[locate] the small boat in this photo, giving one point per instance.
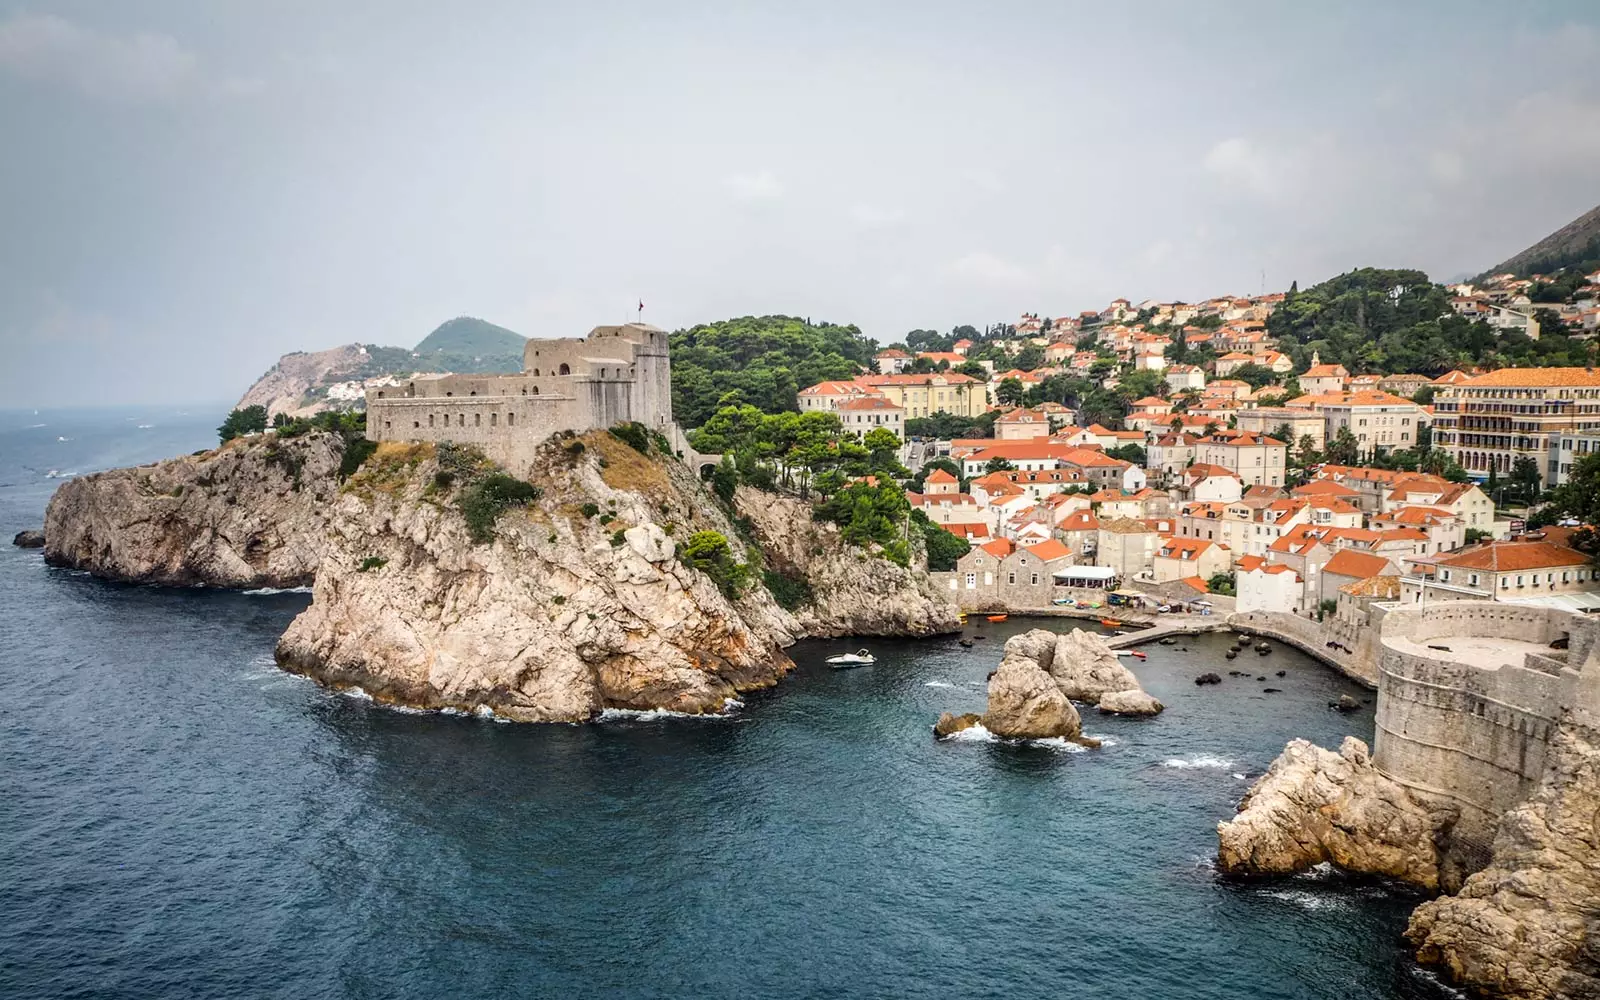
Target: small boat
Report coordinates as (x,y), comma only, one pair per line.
(859,658)
(997,618)
(1141,654)
(1110,623)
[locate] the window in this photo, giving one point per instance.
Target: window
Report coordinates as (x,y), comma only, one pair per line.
(477,420)
(511,420)
(430,420)
(972,580)
(1011,578)
(1034,579)
(386,425)
(416,423)
(565,369)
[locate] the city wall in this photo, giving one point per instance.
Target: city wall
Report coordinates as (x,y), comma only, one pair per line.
(1474,733)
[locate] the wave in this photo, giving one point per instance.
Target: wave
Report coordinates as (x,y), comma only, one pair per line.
(145,427)
(938,684)
(58,474)
(1196,762)
(1436,981)
(729,706)
(976,733)
(1105,741)
(63,439)
(268,591)
(359,693)
(35,426)
(1309,899)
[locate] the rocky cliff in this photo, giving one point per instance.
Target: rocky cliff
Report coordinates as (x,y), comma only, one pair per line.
(584,599)
(1528,925)
(289,386)
(1314,805)
(852,592)
(251,513)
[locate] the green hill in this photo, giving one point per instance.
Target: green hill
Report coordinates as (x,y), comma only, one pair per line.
(1573,245)
(466,344)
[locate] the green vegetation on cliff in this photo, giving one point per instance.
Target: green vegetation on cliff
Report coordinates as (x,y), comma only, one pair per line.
(759,360)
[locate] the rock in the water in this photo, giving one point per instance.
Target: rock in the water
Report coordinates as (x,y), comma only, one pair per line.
(1025,703)
(32,539)
(1085,667)
(949,725)
(1314,805)
(1525,926)
(252,513)
(1345,703)
(1208,678)
(1131,702)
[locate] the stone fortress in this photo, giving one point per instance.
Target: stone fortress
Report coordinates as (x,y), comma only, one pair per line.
(1469,697)
(614,375)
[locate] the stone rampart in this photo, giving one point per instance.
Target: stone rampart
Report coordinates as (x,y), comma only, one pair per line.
(1472,720)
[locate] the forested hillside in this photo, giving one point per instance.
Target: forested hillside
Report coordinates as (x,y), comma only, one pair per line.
(1383,320)
(759,360)
(468,344)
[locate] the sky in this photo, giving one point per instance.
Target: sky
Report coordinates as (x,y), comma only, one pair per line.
(189,189)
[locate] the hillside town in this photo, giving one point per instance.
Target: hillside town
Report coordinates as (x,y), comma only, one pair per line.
(1232,474)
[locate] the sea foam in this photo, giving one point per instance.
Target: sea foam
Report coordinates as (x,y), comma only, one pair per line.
(1197,762)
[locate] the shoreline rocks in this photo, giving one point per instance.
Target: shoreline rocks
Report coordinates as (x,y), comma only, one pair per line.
(30,539)
(1313,805)
(251,513)
(1525,926)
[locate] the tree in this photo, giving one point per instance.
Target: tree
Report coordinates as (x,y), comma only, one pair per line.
(943,547)
(249,420)
(1221,583)
(1526,479)
(998,465)
(764,359)
(1139,384)
(1579,496)
(1128,453)
(972,369)
(1009,391)
(1256,375)
(1343,449)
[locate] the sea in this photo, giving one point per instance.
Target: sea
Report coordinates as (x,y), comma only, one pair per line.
(178,818)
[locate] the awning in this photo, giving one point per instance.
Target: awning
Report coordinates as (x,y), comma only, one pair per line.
(1578,602)
(1128,593)
(1099,573)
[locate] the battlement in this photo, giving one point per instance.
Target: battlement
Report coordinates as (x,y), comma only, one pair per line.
(616,374)
(1469,696)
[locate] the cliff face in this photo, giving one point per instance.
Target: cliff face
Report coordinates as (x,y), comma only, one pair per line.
(1529,924)
(852,592)
(1314,805)
(579,603)
(284,388)
(249,514)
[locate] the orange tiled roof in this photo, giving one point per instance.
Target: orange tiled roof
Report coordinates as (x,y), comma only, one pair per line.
(1050,550)
(1536,377)
(1502,557)
(1349,562)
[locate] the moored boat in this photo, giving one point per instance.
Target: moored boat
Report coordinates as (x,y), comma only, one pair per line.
(859,658)
(997,618)
(1111,623)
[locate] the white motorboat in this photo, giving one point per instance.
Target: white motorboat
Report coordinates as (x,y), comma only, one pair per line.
(859,658)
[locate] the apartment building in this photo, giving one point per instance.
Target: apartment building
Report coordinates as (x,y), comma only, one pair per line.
(1491,420)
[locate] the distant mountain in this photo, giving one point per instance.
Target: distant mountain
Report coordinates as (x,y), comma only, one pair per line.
(1573,243)
(474,338)
(302,384)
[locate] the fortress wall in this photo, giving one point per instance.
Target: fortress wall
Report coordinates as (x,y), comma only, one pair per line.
(1476,734)
(507,428)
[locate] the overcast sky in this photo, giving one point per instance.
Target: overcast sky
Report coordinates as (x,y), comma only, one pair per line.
(188,188)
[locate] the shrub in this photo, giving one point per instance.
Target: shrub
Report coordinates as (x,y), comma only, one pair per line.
(590,509)
(443,480)
(633,434)
(356,451)
(607,518)
(249,420)
(372,562)
(790,591)
(618,537)
(558,599)
(708,552)
(725,480)
(482,503)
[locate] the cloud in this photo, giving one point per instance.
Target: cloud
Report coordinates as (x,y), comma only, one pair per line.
(875,216)
(139,68)
(1157,253)
(1244,164)
(988,269)
(762,185)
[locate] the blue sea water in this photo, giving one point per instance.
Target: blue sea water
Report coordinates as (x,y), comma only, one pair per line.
(180,819)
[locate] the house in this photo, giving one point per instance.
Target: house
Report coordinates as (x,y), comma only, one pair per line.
(1472,422)
(1321,378)
(1003,575)
(1514,571)
(1169,454)
(1231,361)
(891,361)
(1203,481)
(1176,558)
(1445,531)
(1263,586)
(940,483)
(829,395)
(1303,422)
(1022,425)
(1349,566)
(1354,610)
(1181,377)
(869,413)
(1258,459)
(1126,545)
(1377,420)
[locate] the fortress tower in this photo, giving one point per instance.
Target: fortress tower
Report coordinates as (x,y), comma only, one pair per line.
(615,375)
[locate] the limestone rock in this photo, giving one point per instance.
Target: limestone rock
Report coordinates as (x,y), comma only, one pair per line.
(1131,702)
(1526,925)
(853,592)
(1314,805)
(1025,703)
(1086,668)
(950,724)
(29,540)
(550,621)
(251,513)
